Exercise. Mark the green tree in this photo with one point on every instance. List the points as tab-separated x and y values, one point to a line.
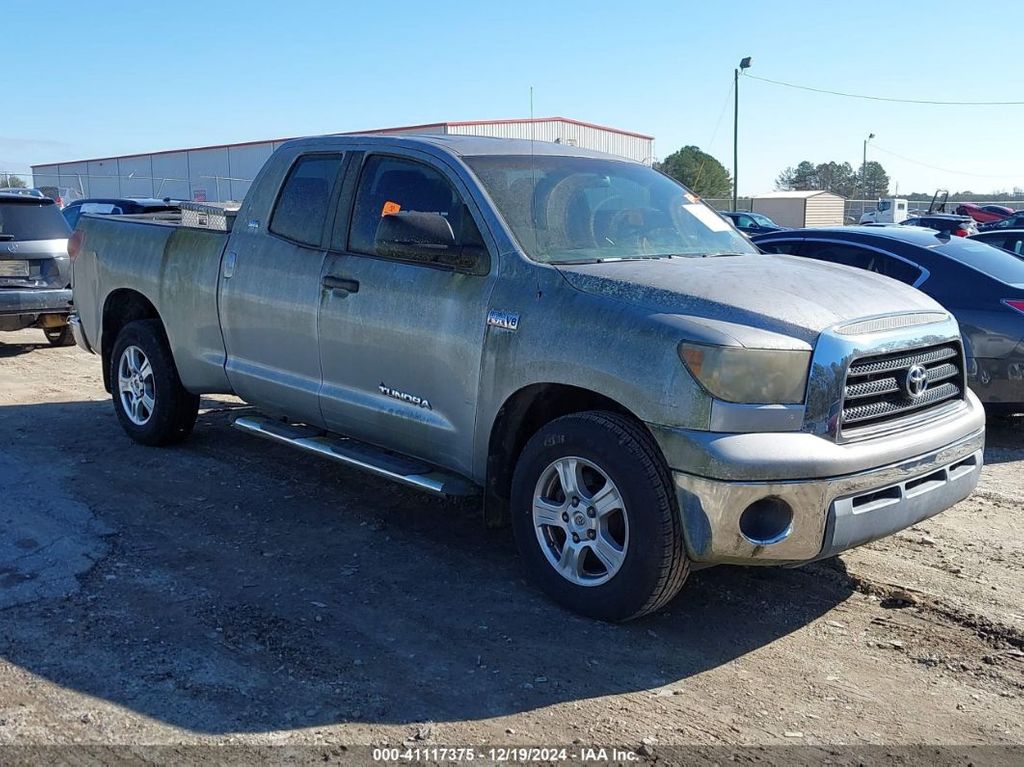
698	170
10	181
837	178
875	182
801	178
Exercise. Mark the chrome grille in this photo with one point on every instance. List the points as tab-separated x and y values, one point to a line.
878	392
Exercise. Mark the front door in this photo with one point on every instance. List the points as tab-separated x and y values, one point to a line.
400	342
270	294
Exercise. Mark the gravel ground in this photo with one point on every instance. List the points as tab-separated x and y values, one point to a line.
235	591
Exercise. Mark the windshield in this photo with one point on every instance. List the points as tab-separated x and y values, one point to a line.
580	209
762	220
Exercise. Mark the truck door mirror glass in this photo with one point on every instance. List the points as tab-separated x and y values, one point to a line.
423	237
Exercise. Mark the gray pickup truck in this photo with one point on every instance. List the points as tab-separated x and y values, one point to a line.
578	338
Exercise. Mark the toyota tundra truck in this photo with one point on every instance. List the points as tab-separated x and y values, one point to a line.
575	337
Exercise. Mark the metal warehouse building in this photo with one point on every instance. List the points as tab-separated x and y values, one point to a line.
224	172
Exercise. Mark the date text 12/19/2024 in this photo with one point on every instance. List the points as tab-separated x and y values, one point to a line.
503	754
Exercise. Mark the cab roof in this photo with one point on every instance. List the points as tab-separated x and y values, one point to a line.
463	146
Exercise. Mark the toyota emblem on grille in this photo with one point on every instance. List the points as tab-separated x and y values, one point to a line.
917	381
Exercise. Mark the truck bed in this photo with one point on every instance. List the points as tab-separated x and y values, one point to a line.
175	268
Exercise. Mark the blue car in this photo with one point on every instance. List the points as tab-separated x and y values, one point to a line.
981	285
752	223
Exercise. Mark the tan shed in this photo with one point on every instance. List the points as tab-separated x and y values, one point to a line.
799	209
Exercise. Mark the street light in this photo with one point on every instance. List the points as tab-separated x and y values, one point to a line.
864	167
744	64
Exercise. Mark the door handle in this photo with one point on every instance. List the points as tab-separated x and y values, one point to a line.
229	264
342	284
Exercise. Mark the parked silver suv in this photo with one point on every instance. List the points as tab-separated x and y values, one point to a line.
35	279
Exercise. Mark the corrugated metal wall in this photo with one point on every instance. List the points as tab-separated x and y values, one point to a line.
221	173
825	210
586	136
224	173
784	211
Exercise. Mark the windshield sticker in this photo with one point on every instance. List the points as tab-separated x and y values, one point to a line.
708	217
390	209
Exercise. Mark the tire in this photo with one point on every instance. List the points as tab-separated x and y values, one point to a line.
154	408
634	520
61	336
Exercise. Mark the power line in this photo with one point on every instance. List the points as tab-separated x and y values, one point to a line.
944	170
886	98
714	133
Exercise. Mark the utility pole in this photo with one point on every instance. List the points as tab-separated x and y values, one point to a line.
864	168
744	64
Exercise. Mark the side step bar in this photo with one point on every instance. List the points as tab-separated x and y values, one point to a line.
399	468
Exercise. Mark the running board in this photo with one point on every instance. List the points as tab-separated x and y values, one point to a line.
375	460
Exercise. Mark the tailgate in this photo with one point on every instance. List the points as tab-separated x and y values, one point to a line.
34	264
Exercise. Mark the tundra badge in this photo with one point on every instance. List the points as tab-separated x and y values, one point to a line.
403	396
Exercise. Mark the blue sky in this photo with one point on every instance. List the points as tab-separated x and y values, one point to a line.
118	77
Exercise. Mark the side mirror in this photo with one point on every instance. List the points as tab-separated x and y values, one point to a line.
423	237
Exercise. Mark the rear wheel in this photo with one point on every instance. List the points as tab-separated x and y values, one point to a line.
595	519
61	336
151	404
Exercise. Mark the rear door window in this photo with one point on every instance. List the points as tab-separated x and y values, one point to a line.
863	258
301	208
1015	243
791	247
995	262
30	220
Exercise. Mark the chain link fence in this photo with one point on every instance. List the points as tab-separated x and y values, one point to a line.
854	209
204	188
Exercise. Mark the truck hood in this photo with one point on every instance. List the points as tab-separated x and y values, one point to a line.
751	297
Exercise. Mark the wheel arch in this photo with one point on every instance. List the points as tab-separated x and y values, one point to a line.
121	306
520	416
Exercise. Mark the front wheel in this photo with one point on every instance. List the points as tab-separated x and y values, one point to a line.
595	519
151	404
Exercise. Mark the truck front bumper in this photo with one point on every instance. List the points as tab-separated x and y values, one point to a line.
798	510
35	301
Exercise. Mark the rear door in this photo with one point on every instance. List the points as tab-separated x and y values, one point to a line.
401	342
270	293
33	244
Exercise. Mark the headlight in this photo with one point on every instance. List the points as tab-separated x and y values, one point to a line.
755	376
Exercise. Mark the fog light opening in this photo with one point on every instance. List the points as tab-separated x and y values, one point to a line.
766	521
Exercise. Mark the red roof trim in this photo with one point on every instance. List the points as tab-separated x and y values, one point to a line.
401	128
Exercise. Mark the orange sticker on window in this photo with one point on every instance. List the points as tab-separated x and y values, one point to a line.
390	209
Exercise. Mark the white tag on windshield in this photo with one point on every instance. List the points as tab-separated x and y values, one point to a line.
708	217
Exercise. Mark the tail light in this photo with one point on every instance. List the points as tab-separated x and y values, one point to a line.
961	232
1015	303
59	201
75	243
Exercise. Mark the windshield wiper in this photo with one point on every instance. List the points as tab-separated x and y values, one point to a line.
613	259
5	237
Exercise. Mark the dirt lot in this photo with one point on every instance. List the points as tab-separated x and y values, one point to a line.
231	590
